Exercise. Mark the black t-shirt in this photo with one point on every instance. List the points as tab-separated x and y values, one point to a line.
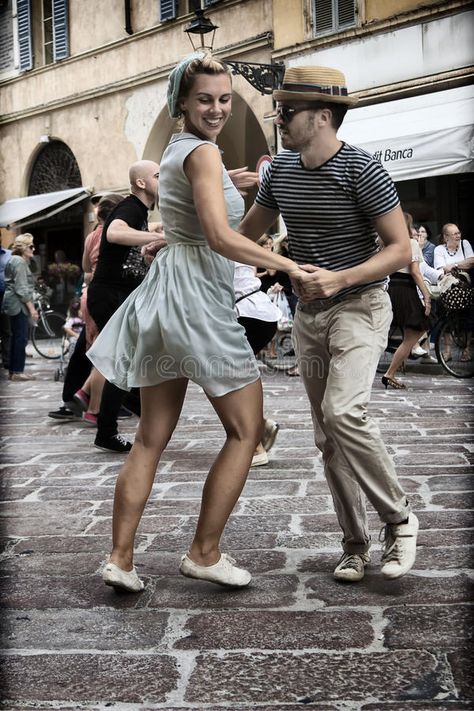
120	266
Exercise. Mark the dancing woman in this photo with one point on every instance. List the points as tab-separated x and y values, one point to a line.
180	324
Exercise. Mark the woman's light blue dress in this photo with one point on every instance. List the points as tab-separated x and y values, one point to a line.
180	322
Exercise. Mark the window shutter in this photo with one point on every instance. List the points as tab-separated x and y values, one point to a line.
60	30
167	10
346	13
23	14
323	16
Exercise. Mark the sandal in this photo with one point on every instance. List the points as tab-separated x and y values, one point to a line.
395	384
293	372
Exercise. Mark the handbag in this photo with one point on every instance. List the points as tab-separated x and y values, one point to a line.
285	322
456	293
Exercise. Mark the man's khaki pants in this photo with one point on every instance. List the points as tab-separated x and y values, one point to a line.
338	345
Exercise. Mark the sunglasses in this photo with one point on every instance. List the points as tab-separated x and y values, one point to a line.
286	113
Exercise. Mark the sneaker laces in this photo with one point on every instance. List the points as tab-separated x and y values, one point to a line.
391	552
350	560
120	439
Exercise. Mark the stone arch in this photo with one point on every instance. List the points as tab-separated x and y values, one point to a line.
53	167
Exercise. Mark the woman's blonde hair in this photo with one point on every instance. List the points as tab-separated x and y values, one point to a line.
21	244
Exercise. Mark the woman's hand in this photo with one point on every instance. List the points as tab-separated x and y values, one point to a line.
427	301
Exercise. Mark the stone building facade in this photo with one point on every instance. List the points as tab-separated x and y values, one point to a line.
83	91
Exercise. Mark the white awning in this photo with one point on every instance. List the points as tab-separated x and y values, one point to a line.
418	137
27	210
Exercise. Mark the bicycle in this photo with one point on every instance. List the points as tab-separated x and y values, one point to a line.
452	340
47	334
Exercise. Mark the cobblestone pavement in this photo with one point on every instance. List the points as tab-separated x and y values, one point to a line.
294	638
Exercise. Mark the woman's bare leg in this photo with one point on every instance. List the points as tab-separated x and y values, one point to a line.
241	413
403	351
161	407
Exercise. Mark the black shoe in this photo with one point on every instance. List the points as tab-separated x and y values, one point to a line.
116	443
63	413
124	413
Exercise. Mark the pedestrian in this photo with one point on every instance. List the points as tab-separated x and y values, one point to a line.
79	367
180	325
18	303
410	315
119	270
453	251
424	240
5	332
334	199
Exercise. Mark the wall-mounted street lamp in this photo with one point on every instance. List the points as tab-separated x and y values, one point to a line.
263	77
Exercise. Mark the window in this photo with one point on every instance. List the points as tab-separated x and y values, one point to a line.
43	32
169	9
333	15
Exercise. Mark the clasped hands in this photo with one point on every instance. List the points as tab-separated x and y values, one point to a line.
310	282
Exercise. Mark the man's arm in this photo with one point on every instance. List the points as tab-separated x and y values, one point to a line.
119	232
257	221
392	231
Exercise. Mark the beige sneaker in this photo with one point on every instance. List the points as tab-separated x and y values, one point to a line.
351	567
224	572
399	547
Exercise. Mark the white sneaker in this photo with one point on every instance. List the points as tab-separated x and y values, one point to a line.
428	359
350	568
116	577
418	351
224	572
259	460
399	549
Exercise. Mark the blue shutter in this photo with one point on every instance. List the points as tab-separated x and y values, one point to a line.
167	10
23	18
60	30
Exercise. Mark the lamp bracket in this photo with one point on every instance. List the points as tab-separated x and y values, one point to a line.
263	77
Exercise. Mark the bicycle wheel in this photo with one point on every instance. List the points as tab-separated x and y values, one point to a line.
48	334
453	346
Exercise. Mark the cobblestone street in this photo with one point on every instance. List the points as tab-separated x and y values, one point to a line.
295	637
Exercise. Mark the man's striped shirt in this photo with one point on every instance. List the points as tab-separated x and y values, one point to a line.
329	211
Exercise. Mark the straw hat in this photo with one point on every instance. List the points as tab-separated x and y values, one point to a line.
314	84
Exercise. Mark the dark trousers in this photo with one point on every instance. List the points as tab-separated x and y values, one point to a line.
78	368
5	336
102	303
19	339
258	333
112	400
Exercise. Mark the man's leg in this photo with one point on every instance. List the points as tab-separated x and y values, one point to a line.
354	334
78	369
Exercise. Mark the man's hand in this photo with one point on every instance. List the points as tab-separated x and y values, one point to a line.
155	227
150	250
316	283
243	178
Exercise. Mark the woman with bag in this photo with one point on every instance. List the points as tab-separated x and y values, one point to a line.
410	315
454	251
180	325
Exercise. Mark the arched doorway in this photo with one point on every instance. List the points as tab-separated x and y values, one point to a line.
54	168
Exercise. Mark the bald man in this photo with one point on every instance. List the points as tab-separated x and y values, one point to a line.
120	269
